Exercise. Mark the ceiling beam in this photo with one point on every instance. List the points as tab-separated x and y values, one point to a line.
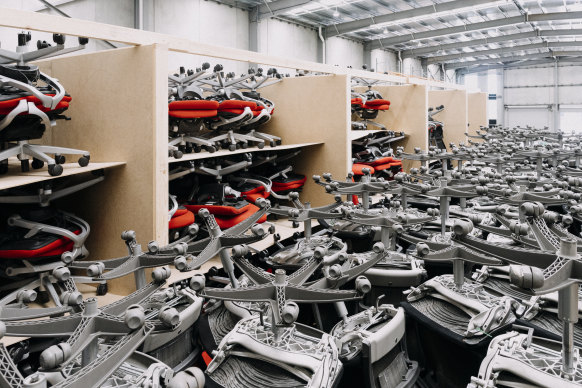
277	7
549	54
422	51
388	42
501	51
344	28
480	69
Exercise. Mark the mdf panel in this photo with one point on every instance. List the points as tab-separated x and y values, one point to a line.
454	116
117	116
477	112
313	109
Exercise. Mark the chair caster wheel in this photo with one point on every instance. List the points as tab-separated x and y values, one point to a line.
24	165
55	169
60	159
37	163
177	154
102	289
261	145
278	142
83	161
42	297
3	167
232	147
273	143
244	146
211	149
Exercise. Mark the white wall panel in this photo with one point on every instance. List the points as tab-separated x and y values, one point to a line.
529	76
412	66
288	40
344	52
521	96
538	117
383	60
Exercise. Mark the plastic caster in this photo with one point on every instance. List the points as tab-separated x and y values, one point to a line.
37	163
232	147
102	289
177	154
278	142
83	161
273	143
3	167
244	146
60	159
261	145
42	297
55	169
211	149
192	149
24	165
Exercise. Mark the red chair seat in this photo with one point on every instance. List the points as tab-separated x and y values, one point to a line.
55	248
192	114
7	106
228	222
378	102
181	220
219	210
236	104
358	168
193	105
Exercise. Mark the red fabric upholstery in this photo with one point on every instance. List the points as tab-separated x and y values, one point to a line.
387	166
378	102
219	210
228	222
193	105
6	106
357	168
384	160
192	114
182	220
180	212
285	185
55	248
236	104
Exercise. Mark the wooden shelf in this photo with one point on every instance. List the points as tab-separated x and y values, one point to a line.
15	177
206	155
359	133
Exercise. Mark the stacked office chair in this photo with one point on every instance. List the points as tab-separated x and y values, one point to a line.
31	102
367	105
212	110
37	247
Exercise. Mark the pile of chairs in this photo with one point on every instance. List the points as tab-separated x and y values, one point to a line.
31	102
462	276
212	110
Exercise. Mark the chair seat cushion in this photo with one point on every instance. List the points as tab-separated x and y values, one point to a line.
192	114
41	247
193	105
219	210
182	220
226	222
236	104
357	168
6	106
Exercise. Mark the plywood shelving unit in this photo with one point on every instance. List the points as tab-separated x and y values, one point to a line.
454	117
208	155
120	114
477	112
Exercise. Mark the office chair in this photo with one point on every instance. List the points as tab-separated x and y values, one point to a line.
30	102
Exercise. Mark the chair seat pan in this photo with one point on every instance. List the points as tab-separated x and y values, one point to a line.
192	114
193	105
